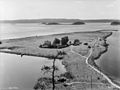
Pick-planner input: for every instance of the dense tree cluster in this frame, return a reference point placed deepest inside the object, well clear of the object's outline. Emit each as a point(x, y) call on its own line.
point(57, 43)
point(64, 40)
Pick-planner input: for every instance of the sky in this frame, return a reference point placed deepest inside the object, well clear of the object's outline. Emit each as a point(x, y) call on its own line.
point(76, 9)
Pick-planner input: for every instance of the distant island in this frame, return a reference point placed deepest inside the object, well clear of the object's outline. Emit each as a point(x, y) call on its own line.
point(58, 21)
point(115, 23)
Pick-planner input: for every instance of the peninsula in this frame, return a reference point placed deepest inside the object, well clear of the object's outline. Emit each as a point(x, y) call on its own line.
point(81, 50)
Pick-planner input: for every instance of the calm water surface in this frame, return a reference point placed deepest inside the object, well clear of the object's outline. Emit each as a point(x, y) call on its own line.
point(110, 61)
point(22, 73)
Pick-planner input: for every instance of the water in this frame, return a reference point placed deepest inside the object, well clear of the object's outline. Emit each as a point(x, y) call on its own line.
point(22, 73)
point(8, 31)
point(19, 72)
point(110, 61)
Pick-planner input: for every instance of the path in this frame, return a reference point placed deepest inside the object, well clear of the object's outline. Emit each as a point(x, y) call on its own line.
point(87, 58)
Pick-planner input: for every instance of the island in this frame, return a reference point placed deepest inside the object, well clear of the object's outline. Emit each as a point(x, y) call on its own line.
point(78, 23)
point(115, 23)
point(77, 51)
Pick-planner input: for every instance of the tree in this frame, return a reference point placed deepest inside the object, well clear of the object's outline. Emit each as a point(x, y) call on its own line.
point(64, 40)
point(68, 75)
point(53, 73)
point(46, 44)
point(56, 42)
point(44, 82)
point(76, 42)
point(48, 69)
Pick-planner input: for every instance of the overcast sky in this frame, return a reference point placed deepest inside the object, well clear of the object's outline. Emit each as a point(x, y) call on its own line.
point(82, 9)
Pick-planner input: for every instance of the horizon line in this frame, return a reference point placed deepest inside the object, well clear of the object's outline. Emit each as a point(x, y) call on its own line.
point(60, 18)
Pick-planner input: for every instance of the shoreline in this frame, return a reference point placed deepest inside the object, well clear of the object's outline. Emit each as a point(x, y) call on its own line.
point(90, 62)
point(27, 54)
point(97, 69)
point(57, 34)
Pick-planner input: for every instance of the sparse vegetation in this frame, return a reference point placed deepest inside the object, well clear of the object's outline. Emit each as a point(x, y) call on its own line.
point(67, 75)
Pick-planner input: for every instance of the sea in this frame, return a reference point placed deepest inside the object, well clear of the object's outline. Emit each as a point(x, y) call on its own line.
point(21, 73)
